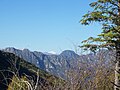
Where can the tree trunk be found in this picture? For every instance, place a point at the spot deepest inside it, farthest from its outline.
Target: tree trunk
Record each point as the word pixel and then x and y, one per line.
pixel 117 68
pixel 117 78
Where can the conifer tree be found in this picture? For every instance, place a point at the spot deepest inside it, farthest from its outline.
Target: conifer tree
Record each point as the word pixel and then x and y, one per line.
pixel 107 13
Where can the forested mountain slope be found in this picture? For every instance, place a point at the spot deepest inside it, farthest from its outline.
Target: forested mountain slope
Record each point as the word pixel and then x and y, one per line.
pixel 12 66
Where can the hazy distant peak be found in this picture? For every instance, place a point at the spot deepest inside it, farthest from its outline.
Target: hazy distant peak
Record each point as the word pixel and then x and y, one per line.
pixel 26 50
pixel 52 52
pixel 68 52
pixel 9 49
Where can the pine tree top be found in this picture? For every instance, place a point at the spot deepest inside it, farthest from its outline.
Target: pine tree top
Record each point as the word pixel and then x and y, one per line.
pixel 107 13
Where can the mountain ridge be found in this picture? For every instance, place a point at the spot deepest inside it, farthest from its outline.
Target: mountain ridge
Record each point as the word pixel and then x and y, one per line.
pixel 56 64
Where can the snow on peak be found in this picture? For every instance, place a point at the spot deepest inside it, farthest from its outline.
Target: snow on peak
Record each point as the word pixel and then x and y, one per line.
pixel 52 52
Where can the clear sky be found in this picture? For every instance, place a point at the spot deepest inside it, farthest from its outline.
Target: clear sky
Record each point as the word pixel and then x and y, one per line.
pixel 44 25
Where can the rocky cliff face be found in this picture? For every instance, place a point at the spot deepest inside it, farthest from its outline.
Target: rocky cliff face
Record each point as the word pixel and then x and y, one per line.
pixel 55 64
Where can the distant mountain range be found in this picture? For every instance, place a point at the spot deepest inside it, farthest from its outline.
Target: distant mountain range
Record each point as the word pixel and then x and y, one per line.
pixel 55 64
pixel 52 63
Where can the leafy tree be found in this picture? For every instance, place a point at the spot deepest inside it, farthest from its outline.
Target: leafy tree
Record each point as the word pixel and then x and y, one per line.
pixel 107 12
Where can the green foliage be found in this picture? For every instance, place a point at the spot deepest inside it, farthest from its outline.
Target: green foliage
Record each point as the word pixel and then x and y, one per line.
pixel 106 12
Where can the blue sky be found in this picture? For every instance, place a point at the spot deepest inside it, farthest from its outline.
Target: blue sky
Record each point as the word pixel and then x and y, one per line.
pixel 44 25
